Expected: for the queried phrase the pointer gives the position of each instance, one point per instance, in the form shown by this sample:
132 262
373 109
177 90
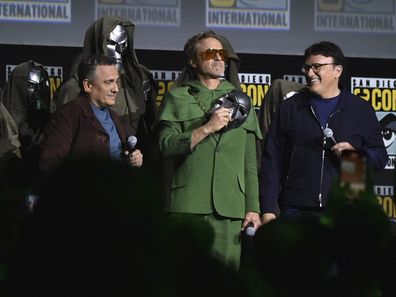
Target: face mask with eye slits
38 88
240 105
117 42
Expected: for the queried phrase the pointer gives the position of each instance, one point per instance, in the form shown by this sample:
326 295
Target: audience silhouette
347 251
99 230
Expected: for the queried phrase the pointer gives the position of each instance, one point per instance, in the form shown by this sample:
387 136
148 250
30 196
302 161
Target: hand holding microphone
328 133
251 223
338 147
250 230
131 143
135 157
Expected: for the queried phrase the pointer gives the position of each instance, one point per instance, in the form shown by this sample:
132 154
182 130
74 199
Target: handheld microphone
131 143
328 133
250 230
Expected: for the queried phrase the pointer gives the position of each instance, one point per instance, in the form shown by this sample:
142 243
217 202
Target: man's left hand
342 146
252 217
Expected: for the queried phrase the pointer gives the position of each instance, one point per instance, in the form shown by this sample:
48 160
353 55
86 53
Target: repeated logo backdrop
42 11
149 12
355 16
381 93
363 28
264 15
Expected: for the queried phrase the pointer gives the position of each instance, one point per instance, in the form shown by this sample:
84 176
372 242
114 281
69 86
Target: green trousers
227 239
226 246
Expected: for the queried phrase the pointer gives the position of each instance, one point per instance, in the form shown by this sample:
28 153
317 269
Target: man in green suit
214 174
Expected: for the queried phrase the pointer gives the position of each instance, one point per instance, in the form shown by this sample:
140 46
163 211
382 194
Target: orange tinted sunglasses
211 53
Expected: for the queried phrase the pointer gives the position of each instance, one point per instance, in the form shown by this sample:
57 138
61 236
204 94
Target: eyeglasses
315 67
211 53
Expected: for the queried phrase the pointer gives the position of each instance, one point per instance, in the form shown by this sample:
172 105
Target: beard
216 68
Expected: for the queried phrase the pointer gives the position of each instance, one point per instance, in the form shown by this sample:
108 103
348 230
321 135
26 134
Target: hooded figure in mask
27 99
136 100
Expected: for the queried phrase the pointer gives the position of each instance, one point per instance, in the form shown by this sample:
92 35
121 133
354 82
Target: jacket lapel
88 113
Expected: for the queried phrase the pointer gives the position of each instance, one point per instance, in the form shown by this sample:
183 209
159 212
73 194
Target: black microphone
328 133
131 143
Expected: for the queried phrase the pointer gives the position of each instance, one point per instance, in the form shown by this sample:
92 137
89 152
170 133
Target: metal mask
239 103
38 88
117 42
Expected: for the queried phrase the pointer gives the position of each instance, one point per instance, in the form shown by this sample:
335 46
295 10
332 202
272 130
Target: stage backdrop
363 28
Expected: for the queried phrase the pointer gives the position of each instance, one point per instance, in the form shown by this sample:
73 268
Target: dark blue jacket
297 165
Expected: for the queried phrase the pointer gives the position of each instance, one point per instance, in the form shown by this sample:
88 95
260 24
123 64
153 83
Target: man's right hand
219 119
267 217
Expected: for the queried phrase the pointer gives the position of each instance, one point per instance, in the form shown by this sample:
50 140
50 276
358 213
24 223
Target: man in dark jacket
301 159
86 125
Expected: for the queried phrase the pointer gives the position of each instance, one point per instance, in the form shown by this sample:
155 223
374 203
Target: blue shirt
104 118
324 108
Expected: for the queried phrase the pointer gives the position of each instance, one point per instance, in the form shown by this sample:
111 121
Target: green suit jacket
220 173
